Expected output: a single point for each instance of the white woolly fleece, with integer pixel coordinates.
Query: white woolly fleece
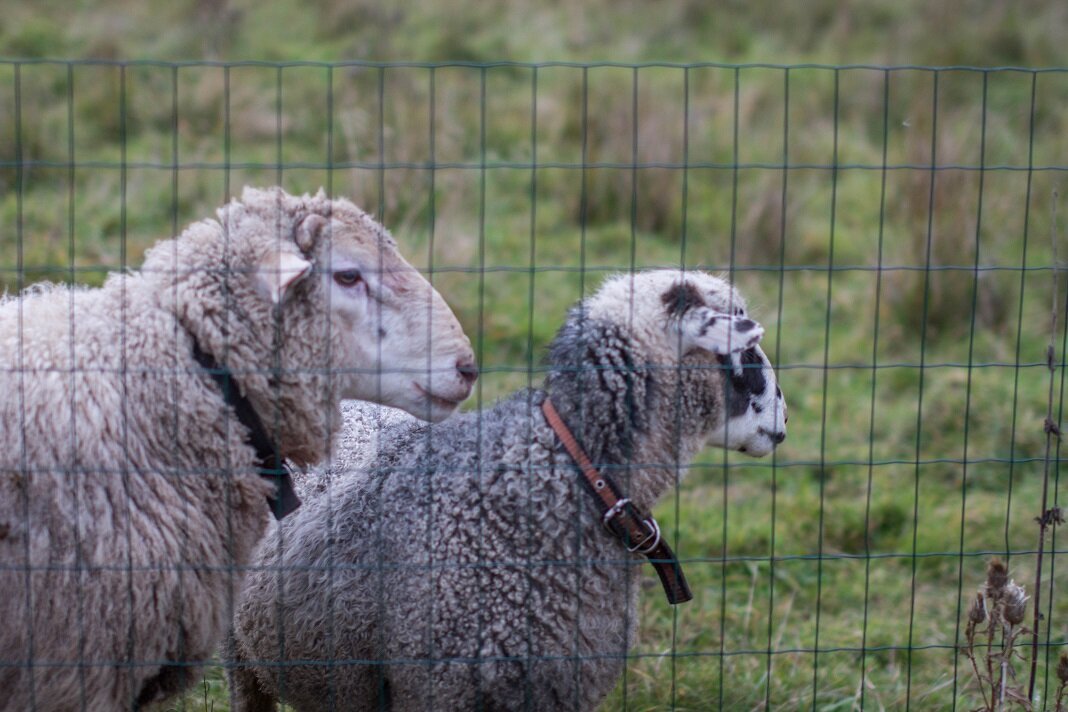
(129, 505)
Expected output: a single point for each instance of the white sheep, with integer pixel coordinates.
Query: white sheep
(130, 492)
(466, 565)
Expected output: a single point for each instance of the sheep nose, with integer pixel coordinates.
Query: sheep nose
(468, 370)
(774, 437)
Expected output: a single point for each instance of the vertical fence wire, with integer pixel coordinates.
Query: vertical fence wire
(174, 471)
(968, 388)
(20, 189)
(725, 490)
(130, 659)
(682, 266)
(583, 228)
(874, 390)
(778, 359)
(532, 255)
(922, 371)
(826, 387)
(70, 473)
(1019, 312)
(332, 560)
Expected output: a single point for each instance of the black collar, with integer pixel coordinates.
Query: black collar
(269, 462)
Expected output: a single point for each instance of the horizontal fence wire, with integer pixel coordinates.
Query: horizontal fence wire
(897, 231)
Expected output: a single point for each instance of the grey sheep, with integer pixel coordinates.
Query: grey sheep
(130, 497)
(464, 566)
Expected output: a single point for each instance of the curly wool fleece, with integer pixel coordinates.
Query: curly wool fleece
(466, 556)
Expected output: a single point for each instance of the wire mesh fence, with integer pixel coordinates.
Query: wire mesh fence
(895, 230)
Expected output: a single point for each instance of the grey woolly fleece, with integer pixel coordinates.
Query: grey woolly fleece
(128, 496)
(467, 556)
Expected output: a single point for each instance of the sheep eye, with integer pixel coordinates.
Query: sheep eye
(756, 407)
(348, 277)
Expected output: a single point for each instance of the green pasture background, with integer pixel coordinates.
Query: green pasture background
(893, 230)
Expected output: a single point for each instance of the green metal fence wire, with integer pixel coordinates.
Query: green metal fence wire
(895, 227)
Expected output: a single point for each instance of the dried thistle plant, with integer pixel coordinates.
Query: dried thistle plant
(1062, 676)
(995, 623)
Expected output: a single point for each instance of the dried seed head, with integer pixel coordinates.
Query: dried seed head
(1062, 669)
(997, 575)
(977, 613)
(1015, 600)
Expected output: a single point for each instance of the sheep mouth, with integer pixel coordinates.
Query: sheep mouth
(437, 400)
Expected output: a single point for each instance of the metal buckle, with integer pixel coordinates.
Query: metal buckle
(614, 511)
(650, 524)
(654, 534)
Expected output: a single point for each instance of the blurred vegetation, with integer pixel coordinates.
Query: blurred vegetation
(868, 527)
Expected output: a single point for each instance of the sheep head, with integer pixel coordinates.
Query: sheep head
(393, 339)
(694, 332)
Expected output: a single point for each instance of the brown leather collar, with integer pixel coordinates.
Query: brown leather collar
(638, 531)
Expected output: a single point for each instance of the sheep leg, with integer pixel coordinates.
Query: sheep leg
(169, 681)
(246, 693)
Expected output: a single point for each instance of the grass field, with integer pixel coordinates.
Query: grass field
(894, 230)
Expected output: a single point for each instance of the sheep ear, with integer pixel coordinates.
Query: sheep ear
(280, 270)
(309, 230)
(718, 333)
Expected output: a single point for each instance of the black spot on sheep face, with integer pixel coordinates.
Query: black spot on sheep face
(746, 387)
(682, 297)
(755, 409)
